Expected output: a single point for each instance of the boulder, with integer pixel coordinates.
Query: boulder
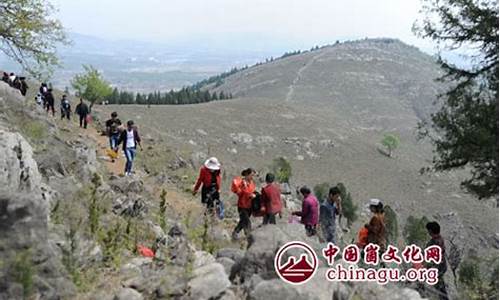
(234, 254)
(24, 226)
(263, 245)
(210, 281)
(227, 263)
(128, 294)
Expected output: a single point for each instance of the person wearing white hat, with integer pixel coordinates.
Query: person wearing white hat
(210, 182)
(376, 226)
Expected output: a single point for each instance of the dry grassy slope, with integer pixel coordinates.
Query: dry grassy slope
(347, 95)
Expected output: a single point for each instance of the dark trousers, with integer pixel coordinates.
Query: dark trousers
(50, 107)
(269, 219)
(83, 121)
(310, 230)
(209, 196)
(244, 222)
(64, 114)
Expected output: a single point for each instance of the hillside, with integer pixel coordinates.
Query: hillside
(326, 112)
(72, 228)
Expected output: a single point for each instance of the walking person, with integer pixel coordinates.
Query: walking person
(374, 230)
(43, 91)
(271, 197)
(434, 231)
(244, 188)
(309, 212)
(82, 110)
(65, 108)
(209, 180)
(328, 211)
(130, 139)
(24, 86)
(113, 129)
(49, 99)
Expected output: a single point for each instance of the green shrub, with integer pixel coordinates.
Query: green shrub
(349, 209)
(163, 208)
(24, 271)
(391, 225)
(34, 130)
(321, 191)
(478, 278)
(391, 142)
(415, 231)
(282, 169)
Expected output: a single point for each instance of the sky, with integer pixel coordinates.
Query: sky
(255, 23)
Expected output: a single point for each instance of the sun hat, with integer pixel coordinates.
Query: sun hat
(212, 164)
(375, 202)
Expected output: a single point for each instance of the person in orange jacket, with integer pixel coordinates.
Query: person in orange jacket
(210, 181)
(244, 187)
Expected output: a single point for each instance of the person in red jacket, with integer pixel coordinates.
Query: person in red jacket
(210, 181)
(244, 187)
(271, 197)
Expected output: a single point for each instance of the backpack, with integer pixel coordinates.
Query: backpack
(258, 208)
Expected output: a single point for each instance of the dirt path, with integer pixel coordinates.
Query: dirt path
(117, 167)
(291, 88)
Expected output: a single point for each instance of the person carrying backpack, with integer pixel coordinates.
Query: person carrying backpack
(271, 198)
(434, 231)
(328, 211)
(65, 108)
(309, 213)
(209, 180)
(130, 139)
(82, 110)
(244, 188)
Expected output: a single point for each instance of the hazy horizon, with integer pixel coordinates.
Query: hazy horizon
(279, 25)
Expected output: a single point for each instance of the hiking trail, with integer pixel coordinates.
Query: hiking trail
(291, 87)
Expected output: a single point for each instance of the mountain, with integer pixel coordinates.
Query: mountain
(326, 112)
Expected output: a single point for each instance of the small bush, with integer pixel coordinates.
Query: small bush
(478, 278)
(282, 169)
(34, 130)
(349, 209)
(163, 208)
(415, 231)
(391, 142)
(24, 271)
(391, 225)
(321, 191)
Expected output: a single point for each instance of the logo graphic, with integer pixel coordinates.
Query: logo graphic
(293, 269)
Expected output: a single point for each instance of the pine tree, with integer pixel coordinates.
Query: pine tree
(467, 123)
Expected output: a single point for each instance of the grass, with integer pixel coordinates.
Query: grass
(34, 130)
(24, 271)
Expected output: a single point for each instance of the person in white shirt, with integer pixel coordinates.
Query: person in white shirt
(130, 139)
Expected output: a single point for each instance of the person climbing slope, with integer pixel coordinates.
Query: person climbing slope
(328, 212)
(434, 231)
(271, 197)
(244, 188)
(65, 108)
(209, 180)
(82, 110)
(309, 212)
(130, 139)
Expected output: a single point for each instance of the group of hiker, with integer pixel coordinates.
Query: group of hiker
(17, 82)
(46, 99)
(127, 136)
(314, 216)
